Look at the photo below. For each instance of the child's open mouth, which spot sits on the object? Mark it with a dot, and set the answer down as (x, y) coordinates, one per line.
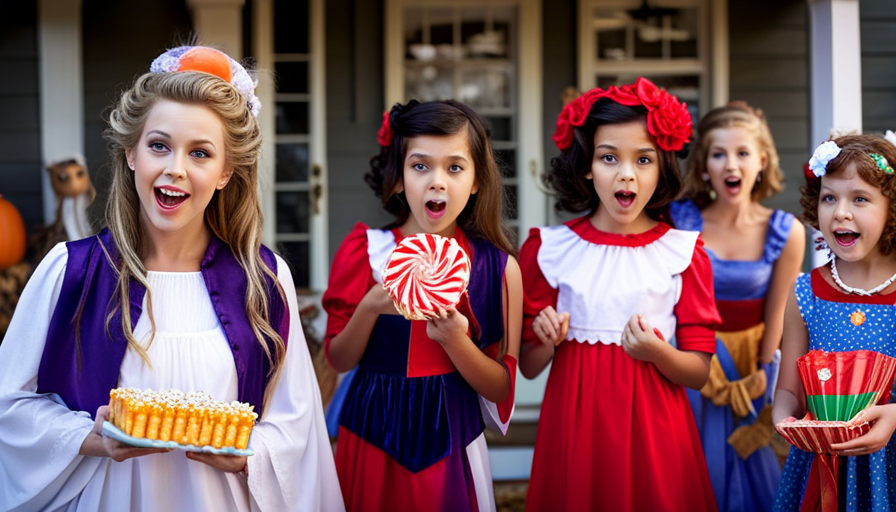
(846, 238)
(170, 199)
(436, 208)
(732, 183)
(625, 198)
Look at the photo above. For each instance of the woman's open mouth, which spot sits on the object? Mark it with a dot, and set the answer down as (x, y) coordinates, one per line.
(846, 238)
(435, 208)
(625, 198)
(169, 199)
(732, 183)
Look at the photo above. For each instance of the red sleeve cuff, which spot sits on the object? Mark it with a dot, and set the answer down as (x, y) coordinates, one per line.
(696, 337)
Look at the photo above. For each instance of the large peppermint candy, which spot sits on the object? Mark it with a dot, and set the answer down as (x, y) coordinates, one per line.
(426, 272)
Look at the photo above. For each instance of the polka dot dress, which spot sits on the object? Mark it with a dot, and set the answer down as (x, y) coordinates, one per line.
(866, 482)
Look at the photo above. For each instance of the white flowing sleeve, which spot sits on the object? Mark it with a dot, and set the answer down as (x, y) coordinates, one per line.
(293, 467)
(40, 467)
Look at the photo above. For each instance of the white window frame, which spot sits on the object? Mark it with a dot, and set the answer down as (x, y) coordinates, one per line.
(711, 64)
(318, 223)
(532, 203)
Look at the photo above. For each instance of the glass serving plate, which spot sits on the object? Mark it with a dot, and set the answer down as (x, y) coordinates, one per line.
(110, 430)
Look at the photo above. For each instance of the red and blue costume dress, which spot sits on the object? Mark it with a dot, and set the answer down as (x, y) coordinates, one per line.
(411, 428)
(733, 410)
(614, 433)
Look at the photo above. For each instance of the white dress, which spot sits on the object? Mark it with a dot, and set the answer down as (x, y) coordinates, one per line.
(40, 468)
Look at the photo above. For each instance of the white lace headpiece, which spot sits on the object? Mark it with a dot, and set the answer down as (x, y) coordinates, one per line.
(212, 61)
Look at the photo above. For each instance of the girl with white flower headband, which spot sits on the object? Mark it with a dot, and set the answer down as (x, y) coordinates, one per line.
(845, 305)
(176, 293)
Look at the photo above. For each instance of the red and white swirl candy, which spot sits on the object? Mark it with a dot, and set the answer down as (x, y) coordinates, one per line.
(426, 272)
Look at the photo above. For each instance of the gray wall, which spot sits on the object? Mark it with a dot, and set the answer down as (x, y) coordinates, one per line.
(20, 152)
(878, 26)
(120, 41)
(559, 61)
(354, 112)
(769, 69)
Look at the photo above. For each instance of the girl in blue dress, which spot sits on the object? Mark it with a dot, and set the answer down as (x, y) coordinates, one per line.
(850, 197)
(756, 253)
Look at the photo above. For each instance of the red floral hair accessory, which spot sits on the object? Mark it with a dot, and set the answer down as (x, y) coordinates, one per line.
(807, 172)
(384, 134)
(668, 119)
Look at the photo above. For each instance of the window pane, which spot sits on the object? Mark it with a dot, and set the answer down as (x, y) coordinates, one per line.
(292, 162)
(506, 162)
(441, 28)
(292, 212)
(297, 255)
(292, 117)
(291, 26)
(292, 77)
(429, 82)
(485, 87)
(510, 201)
(500, 128)
(611, 44)
(645, 31)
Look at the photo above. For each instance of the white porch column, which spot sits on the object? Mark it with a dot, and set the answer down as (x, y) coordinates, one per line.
(219, 23)
(532, 203)
(263, 48)
(61, 88)
(836, 63)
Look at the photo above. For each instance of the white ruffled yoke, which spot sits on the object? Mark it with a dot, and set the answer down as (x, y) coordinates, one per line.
(630, 279)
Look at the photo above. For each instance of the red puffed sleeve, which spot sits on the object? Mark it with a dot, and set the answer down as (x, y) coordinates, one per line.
(696, 310)
(537, 293)
(350, 279)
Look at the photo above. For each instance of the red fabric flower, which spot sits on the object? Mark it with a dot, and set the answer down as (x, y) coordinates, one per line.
(668, 120)
(810, 176)
(384, 134)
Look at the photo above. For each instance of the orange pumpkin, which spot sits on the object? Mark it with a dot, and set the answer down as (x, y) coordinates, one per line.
(12, 235)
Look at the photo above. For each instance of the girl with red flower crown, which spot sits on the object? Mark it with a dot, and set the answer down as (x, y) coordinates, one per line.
(602, 295)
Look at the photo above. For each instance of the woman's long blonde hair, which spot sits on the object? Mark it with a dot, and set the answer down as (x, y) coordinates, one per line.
(233, 214)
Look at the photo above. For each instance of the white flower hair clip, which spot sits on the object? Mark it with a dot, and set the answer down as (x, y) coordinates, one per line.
(890, 136)
(823, 154)
(212, 61)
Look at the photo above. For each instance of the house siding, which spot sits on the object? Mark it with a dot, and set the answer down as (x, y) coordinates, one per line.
(120, 40)
(877, 22)
(560, 54)
(769, 69)
(355, 91)
(21, 167)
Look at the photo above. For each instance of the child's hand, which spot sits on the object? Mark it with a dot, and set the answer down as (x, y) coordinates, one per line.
(551, 327)
(640, 341)
(377, 301)
(883, 423)
(447, 325)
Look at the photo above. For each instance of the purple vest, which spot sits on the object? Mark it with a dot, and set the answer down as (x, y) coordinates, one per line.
(82, 373)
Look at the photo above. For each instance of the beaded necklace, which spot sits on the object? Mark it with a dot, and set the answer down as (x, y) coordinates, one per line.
(858, 291)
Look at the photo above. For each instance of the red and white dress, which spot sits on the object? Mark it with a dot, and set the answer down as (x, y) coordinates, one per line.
(615, 433)
(411, 428)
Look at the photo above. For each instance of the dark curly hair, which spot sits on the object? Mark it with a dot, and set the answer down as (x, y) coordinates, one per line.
(576, 194)
(482, 215)
(855, 151)
(734, 114)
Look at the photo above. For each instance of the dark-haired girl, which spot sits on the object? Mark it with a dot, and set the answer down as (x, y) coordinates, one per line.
(603, 295)
(411, 427)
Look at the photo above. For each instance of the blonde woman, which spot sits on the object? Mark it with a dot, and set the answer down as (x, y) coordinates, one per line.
(177, 293)
(756, 253)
